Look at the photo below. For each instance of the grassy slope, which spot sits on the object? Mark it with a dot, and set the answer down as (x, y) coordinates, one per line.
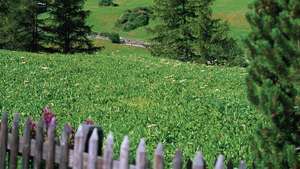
(186, 106)
(104, 18)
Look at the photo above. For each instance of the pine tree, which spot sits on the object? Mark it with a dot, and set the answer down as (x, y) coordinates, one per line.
(69, 31)
(4, 9)
(23, 24)
(273, 80)
(173, 37)
(188, 31)
(214, 45)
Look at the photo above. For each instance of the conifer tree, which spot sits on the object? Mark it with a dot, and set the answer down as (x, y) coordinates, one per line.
(173, 37)
(4, 8)
(273, 80)
(213, 44)
(188, 31)
(69, 31)
(23, 24)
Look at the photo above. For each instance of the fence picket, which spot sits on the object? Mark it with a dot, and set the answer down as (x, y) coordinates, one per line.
(159, 157)
(93, 150)
(13, 160)
(177, 160)
(38, 153)
(51, 145)
(220, 162)
(78, 149)
(3, 140)
(108, 153)
(198, 162)
(83, 156)
(124, 154)
(242, 165)
(63, 164)
(141, 156)
(26, 144)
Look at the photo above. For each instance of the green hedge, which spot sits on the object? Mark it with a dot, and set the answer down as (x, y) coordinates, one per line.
(134, 18)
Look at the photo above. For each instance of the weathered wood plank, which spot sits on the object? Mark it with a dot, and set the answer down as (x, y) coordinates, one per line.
(141, 156)
(242, 165)
(3, 140)
(64, 145)
(159, 157)
(26, 144)
(177, 160)
(108, 153)
(50, 162)
(198, 162)
(13, 160)
(78, 149)
(220, 162)
(93, 150)
(124, 154)
(38, 150)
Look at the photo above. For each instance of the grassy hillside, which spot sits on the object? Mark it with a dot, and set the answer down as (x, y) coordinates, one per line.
(104, 18)
(186, 106)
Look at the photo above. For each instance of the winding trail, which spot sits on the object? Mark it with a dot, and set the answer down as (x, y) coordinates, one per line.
(125, 41)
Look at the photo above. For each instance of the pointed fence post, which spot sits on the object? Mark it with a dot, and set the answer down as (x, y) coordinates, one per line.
(64, 152)
(78, 149)
(124, 154)
(93, 150)
(38, 155)
(13, 160)
(177, 160)
(220, 162)
(198, 162)
(141, 156)
(108, 153)
(159, 157)
(26, 144)
(50, 163)
(242, 165)
(3, 140)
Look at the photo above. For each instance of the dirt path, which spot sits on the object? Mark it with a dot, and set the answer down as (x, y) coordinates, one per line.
(125, 41)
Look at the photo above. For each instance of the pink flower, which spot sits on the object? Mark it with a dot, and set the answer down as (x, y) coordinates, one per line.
(32, 128)
(48, 115)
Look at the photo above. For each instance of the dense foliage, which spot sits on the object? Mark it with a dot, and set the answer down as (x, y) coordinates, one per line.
(21, 27)
(107, 3)
(134, 18)
(68, 29)
(188, 31)
(273, 80)
(133, 93)
(25, 26)
(113, 36)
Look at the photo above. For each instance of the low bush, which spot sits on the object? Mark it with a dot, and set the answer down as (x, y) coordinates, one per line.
(113, 36)
(107, 3)
(134, 18)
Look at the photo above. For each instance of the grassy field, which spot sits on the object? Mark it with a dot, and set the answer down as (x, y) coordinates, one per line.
(103, 18)
(183, 105)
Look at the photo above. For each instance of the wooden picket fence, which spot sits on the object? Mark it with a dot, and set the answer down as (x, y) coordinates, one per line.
(44, 151)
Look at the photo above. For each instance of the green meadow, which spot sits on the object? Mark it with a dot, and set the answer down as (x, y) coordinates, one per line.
(125, 90)
(103, 19)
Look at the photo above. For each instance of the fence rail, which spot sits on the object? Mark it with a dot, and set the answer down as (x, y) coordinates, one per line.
(44, 151)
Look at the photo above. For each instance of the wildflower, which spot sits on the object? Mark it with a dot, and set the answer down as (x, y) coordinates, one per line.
(48, 115)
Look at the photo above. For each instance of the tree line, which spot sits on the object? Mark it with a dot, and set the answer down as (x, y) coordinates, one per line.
(188, 31)
(45, 25)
